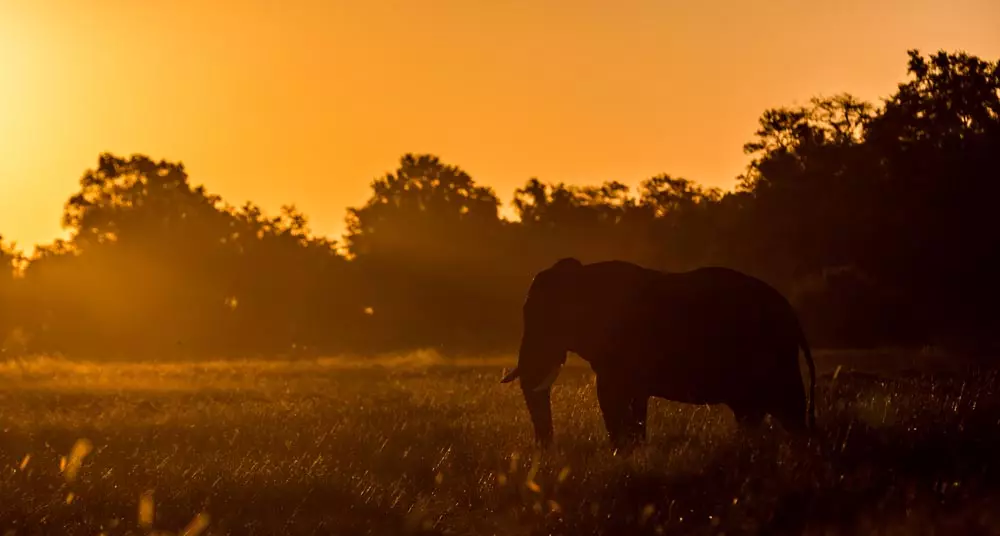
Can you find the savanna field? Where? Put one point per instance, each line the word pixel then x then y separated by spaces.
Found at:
pixel 417 445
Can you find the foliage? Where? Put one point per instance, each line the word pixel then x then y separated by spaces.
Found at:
pixel 9 260
pixel 858 212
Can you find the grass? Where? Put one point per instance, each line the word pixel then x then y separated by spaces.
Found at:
pixel 416 446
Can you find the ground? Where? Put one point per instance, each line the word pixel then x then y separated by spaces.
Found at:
pixel 418 446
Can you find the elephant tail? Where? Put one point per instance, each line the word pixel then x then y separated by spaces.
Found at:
pixel 812 376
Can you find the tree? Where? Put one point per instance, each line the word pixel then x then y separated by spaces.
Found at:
pixel 414 212
pixel 10 258
pixel 683 221
pixel 431 247
pixel 145 263
pixel 291 292
pixel 937 140
pixel 160 266
pixel 591 222
pixel 810 164
pixel 862 214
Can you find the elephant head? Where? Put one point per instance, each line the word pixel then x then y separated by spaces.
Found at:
pixel 545 340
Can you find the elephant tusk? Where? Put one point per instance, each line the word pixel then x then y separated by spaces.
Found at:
pixel 511 376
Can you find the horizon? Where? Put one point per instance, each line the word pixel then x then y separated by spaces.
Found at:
pixel 339 88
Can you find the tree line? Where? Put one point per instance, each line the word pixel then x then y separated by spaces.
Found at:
pixel 876 220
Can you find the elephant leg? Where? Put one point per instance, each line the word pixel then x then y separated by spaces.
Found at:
pixel 624 415
pixel 788 402
pixel 789 406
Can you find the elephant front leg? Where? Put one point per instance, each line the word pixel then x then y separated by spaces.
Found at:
pixel 624 411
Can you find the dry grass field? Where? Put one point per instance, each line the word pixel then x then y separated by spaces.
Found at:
pixel 418 446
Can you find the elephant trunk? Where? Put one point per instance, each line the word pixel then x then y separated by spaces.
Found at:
pixel 540 408
pixel 537 369
pixel 541 365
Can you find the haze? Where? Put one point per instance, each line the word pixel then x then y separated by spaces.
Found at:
pixel 306 102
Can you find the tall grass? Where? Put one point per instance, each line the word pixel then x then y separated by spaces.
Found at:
pixel 414 445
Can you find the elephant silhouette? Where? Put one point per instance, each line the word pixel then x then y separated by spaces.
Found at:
pixel 707 336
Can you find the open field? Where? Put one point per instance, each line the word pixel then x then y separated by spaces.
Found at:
pixel 416 446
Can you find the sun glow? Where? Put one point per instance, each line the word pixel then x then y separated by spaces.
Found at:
pixel 251 96
pixel 35 98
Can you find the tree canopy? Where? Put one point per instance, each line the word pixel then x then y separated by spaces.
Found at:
pixel 875 218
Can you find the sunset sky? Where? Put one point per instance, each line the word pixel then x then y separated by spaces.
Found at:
pixel 306 101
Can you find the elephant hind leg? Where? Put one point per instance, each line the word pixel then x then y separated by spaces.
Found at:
pixel 790 411
pixel 787 400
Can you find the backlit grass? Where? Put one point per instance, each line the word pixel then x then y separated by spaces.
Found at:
pixel 418 446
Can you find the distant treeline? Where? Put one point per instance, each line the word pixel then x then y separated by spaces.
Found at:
pixel 879 222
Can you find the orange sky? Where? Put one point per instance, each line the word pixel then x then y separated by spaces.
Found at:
pixel 307 102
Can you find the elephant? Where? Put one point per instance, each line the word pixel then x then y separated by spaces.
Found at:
pixel 712 335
